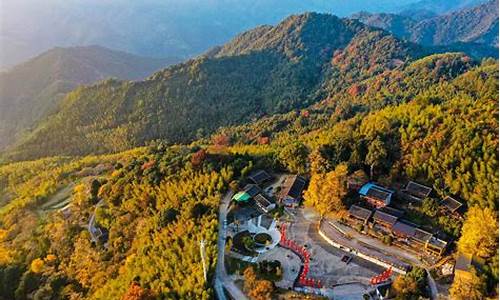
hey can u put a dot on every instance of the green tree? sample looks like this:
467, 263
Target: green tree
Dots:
377, 155
248, 242
294, 157
410, 286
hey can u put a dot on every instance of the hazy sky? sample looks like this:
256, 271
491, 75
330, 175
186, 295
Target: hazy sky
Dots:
153, 27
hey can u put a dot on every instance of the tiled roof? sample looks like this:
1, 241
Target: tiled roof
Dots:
360, 212
259, 176
451, 204
293, 187
392, 211
404, 229
418, 190
375, 191
464, 262
384, 217
252, 190
422, 235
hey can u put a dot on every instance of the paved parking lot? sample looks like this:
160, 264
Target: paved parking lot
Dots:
290, 264
326, 263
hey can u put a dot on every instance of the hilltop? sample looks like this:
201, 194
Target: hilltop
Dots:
32, 90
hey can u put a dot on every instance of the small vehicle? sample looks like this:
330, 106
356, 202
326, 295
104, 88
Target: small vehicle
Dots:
347, 259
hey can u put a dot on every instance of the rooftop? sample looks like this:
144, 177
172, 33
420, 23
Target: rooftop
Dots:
451, 204
418, 190
241, 213
252, 190
241, 197
293, 187
259, 176
373, 190
404, 229
437, 243
422, 235
384, 217
263, 200
360, 212
266, 221
464, 262
392, 211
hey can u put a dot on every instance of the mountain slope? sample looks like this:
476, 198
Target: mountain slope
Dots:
30, 91
264, 71
470, 25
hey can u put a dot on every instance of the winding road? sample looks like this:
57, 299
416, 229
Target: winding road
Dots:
222, 280
92, 228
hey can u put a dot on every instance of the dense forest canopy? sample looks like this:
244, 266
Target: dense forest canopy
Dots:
272, 69
157, 204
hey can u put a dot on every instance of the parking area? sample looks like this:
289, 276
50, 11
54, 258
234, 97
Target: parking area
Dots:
290, 264
326, 261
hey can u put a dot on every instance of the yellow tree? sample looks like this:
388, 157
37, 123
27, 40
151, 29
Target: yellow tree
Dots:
479, 233
404, 287
318, 163
325, 192
250, 278
37, 265
263, 290
471, 288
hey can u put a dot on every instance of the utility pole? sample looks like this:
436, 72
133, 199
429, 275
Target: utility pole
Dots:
203, 255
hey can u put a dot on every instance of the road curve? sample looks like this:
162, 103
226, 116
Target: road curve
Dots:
432, 285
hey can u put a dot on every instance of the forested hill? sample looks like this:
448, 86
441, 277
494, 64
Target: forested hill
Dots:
434, 121
29, 91
470, 25
264, 71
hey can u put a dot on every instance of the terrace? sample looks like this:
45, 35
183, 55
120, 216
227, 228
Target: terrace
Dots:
384, 219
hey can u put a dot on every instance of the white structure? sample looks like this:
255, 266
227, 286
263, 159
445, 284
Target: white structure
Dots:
261, 224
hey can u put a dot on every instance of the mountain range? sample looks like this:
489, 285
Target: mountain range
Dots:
267, 70
159, 28
477, 24
271, 69
436, 7
116, 168
32, 90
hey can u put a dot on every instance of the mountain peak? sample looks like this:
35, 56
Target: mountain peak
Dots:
307, 34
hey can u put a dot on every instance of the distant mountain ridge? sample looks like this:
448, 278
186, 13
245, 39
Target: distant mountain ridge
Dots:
477, 24
268, 70
304, 59
30, 91
438, 7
